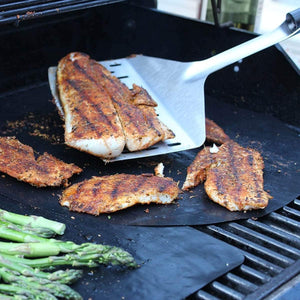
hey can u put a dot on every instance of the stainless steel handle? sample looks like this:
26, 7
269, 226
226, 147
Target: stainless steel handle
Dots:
201, 69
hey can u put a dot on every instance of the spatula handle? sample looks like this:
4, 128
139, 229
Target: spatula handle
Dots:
201, 69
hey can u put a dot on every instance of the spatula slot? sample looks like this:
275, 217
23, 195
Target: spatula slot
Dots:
174, 144
115, 65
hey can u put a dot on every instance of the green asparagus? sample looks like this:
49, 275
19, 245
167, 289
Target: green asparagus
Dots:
29, 293
32, 248
33, 221
21, 265
86, 254
38, 284
39, 231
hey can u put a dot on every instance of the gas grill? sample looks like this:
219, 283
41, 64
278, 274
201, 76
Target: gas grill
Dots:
35, 34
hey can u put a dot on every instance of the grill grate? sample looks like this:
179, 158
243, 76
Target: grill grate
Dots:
272, 256
16, 11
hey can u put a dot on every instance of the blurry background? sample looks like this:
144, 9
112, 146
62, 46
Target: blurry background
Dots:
257, 16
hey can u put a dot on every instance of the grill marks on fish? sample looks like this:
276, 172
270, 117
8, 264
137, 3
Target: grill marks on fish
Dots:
107, 108
233, 178
85, 111
91, 122
140, 123
18, 160
111, 193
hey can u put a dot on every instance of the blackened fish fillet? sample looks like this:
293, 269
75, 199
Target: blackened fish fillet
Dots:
91, 121
136, 110
18, 160
102, 114
233, 177
111, 193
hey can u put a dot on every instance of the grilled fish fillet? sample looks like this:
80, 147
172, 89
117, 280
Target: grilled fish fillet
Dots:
136, 110
214, 133
196, 171
91, 121
18, 160
101, 113
233, 178
108, 194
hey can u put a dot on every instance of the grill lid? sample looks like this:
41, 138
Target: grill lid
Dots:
16, 11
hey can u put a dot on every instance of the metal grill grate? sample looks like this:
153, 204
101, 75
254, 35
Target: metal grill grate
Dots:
16, 11
272, 256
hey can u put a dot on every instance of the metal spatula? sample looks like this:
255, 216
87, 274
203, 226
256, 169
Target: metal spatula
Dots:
178, 87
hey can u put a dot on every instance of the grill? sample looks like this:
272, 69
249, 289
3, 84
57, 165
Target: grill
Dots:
271, 248
15, 12
47, 30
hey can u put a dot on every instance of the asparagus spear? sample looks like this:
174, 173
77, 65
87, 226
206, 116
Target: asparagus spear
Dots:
38, 284
14, 290
86, 254
9, 233
34, 246
21, 266
33, 221
24, 275
39, 231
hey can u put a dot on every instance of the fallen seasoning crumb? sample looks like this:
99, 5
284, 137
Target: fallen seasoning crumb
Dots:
193, 196
146, 210
72, 217
108, 217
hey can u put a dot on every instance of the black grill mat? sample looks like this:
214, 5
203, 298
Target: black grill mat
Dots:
278, 144
175, 261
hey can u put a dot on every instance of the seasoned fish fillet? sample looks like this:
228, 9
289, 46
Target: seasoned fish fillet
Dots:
91, 121
108, 194
214, 133
234, 178
196, 171
136, 110
18, 160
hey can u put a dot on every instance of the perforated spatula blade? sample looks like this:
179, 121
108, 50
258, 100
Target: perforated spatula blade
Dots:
178, 88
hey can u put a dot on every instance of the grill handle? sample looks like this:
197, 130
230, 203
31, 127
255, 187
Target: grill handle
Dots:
293, 19
201, 69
